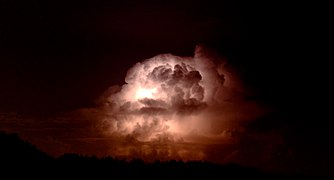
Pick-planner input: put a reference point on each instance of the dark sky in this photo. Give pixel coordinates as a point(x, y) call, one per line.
point(60, 55)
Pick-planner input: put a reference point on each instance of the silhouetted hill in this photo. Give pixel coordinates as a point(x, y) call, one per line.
point(14, 149)
point(20, 158)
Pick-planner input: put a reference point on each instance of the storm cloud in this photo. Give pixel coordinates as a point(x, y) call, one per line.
point(189, 99)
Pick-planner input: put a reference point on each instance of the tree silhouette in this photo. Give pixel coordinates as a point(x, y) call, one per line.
point(18, 156)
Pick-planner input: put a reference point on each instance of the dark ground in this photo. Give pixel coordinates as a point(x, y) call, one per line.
point(22, 159)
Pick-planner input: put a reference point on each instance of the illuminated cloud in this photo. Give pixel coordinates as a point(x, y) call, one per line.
point(171, 107)
point(188, 99)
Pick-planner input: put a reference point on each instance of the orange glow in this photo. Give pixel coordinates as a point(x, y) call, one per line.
point(177, 99)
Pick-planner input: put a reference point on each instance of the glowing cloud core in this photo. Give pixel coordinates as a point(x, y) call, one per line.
point(145, 93)
point(172, 98)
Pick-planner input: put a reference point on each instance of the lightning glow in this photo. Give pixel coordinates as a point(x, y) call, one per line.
point(172, 99)
point(145, 93)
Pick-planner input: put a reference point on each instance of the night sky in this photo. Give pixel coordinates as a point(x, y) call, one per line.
point(59, 56)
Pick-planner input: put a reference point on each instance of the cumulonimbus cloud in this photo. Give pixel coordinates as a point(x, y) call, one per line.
point(179, 98)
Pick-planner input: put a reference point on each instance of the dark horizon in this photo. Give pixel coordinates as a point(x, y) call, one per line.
point(27, 158)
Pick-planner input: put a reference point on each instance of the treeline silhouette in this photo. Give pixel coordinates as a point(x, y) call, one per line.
point(18, 157)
